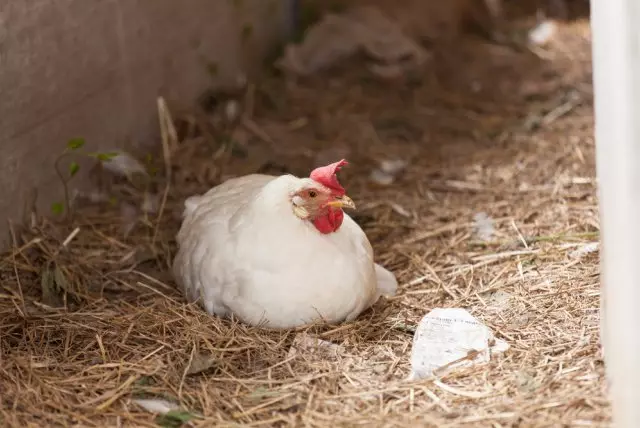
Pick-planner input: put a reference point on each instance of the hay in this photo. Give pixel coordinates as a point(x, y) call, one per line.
point(491, 129)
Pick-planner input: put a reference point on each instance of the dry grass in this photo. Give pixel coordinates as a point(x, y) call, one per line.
point(488, 129)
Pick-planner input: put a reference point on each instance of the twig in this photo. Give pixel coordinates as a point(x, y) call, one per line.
point(15, 270)
point(186, 370)
point(169, 139)
point(256, 130)
point(65, 184)
point(444, 229)
point(562, 109)
point(542, 238)
point(503, 255)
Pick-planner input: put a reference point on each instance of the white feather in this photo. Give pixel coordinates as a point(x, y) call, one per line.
point(124, 164)
point(387, 282)
point(156, 405)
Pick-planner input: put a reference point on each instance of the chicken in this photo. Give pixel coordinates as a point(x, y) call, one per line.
point(278, 252)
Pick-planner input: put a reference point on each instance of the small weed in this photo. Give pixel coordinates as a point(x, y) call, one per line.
point(74, 145)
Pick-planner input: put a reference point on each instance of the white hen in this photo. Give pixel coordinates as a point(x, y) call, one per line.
point(278, 251)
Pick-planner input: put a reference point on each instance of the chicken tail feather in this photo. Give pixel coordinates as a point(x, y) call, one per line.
point(387, 282)
point(190, 205)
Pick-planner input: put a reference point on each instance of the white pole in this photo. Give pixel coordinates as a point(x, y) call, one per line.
point(616, 67)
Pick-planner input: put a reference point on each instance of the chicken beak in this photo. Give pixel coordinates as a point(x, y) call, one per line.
point(342, 202)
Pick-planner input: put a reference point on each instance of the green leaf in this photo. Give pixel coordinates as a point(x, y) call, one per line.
point(57, 208)
point(75, 143)
point(73, 168)
point(104, 156)
point(174, 418)
point(144, 381)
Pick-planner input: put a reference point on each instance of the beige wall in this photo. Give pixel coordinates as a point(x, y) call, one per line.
point(93, 69)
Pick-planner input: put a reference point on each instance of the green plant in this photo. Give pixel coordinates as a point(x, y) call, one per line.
point(174, 419)
point(73, 146)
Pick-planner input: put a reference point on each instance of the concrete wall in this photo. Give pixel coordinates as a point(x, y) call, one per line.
point(93, 69)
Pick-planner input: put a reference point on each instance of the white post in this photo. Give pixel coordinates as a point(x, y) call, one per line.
point(616, 66)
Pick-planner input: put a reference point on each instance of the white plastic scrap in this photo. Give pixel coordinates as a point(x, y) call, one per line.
point(591, 247)
point(393, 167)
point(156, 405)
point(449, 338)
point(386, 173)
point(542, 33)
point(483, 226)
point(381, 177)
point(93, 196)
point(124, 164)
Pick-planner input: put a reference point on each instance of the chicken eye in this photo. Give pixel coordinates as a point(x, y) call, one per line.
point(313, 194)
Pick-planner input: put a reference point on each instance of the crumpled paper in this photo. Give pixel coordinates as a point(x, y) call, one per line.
point(450, 338)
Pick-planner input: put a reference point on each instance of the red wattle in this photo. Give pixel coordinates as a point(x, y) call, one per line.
point(329, 222)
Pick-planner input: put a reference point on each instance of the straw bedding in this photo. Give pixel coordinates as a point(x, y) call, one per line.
point(489, 128)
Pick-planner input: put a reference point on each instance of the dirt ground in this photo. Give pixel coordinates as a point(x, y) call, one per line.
point(489, 127)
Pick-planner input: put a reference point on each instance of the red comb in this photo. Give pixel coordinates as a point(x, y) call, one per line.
point(326, 175)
